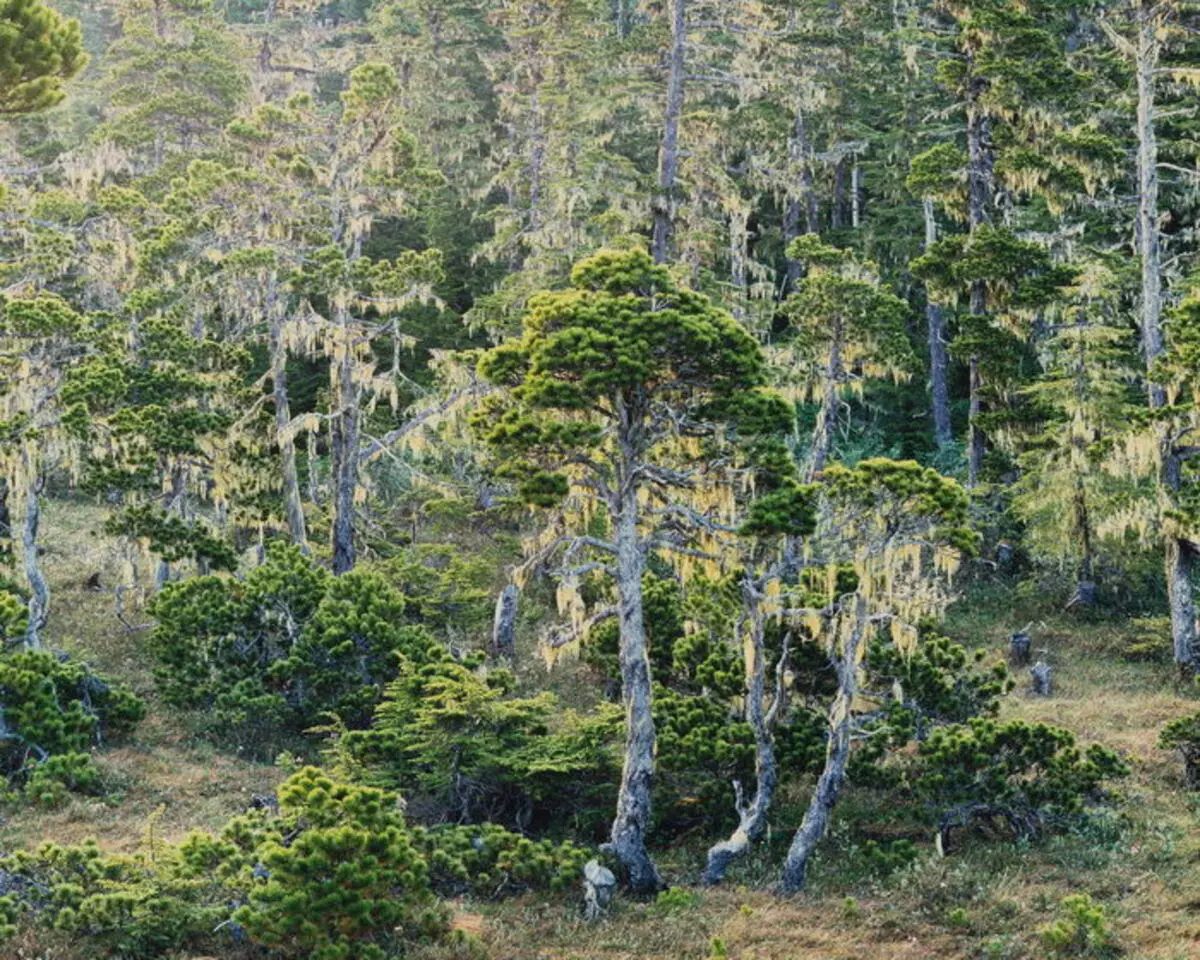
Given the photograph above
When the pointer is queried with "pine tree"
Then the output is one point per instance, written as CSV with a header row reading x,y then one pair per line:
x,y
848,328
39,51
608,376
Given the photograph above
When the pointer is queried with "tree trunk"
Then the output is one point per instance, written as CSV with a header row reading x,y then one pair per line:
x,y
668,153
1179,557
39,589
622,12
504,622
827,420
175,505
829,785
293,503
752,818
632,821
738,256
837,210
802,201
939,360
344,436
981,163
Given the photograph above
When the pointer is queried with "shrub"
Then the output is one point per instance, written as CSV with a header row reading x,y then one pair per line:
x,y
457,736
1027,775
266,656
489,861
55,710
1149,640
1081,930
1183,735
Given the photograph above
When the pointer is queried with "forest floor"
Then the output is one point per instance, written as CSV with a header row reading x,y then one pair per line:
x,y
986,899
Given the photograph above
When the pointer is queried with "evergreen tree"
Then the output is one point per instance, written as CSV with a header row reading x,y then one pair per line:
x,y
39,51
607,377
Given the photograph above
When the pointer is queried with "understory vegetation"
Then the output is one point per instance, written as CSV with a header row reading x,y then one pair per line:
x,y
599,478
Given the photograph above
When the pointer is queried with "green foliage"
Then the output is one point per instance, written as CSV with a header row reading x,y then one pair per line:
x,y
458,737
270,654
55,711
1183,735
488,861
1029,775
1149,640
350,885
39,51
1082,930
937,684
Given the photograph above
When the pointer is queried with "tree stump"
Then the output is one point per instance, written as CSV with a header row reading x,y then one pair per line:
x,y
504,623
599,885
1043,678
1020,646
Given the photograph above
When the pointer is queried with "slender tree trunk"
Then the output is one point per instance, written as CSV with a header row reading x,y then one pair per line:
x,y
39,589
829,785
981,163
837,213
1179,557
802,202
939,360
290,477
668,152
855,195
827,420
628,841
344,439
738,257
752,817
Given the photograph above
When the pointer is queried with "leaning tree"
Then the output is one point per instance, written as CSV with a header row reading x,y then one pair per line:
x,y
903,528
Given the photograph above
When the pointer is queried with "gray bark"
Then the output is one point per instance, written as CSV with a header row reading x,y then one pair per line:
x,y
981,163
289,476
39,589
827,419
668,153
939,361
1178,554
344,440
752,817
504,623
738,257
829,784
632,821
801,202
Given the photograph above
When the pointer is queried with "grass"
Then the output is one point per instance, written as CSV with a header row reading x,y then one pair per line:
x,y
985,900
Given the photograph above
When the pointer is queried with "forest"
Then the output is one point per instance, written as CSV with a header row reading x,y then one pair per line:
x,y
599,479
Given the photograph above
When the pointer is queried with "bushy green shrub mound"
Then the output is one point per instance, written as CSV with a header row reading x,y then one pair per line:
x,y
270,654
55,711
1030,776
457,736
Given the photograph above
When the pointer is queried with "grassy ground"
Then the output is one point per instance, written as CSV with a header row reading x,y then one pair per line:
x,y
984,900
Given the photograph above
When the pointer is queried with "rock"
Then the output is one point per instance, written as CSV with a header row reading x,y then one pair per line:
x,y
1043,678
1020,645
599,885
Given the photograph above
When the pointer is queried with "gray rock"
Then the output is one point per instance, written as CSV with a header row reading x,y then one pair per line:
x,y
599,885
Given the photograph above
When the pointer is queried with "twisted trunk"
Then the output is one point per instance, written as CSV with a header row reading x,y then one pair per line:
x,y
827,420
632,821
829,785
752,817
